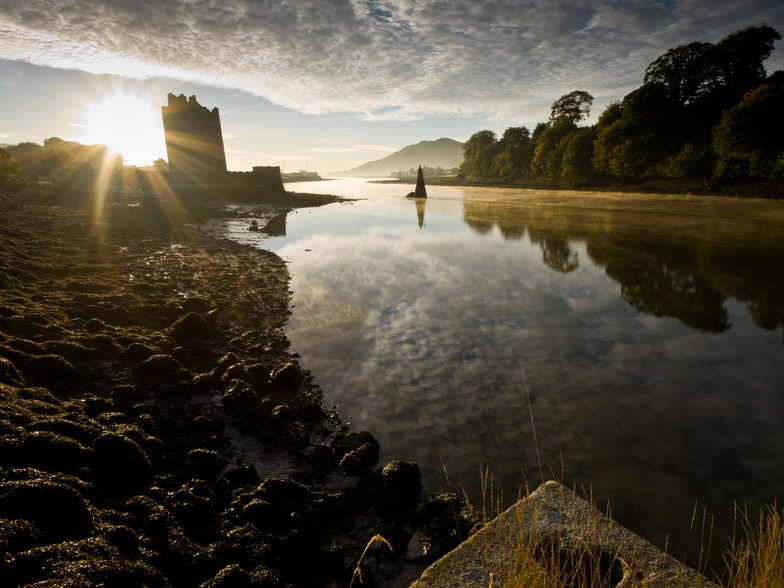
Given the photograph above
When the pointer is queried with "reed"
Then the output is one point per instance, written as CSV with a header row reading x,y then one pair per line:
x,y
755,559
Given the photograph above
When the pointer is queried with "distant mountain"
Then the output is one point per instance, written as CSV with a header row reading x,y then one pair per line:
x,y
445,153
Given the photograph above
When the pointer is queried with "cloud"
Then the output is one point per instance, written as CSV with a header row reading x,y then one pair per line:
x,y
384,60
6,136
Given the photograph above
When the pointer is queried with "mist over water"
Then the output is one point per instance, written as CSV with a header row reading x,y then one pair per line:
x,y
648,330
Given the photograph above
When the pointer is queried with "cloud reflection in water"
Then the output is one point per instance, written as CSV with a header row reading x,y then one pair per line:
x,y
661,388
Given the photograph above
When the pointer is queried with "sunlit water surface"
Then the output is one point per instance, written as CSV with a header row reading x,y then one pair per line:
x,y
648,330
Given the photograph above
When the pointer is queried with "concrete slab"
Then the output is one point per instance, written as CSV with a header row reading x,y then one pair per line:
x,y
552,522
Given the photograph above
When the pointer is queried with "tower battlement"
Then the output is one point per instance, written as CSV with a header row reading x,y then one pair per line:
x,y
194,141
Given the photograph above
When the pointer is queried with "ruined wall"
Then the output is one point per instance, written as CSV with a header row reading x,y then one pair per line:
x,y
266,177
194,141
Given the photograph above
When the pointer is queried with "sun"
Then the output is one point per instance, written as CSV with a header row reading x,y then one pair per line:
x,y
128,123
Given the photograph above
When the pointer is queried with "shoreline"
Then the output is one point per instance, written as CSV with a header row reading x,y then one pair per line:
x,y
768,189
155,428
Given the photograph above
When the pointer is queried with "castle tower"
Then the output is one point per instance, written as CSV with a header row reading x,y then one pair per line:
x,y
194,141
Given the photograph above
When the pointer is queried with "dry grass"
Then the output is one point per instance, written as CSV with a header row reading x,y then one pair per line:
x,y
756,559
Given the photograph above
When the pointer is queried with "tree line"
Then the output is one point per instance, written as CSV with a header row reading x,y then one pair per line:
x,y
703,110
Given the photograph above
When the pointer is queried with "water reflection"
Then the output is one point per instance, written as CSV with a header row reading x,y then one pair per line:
x,y
420,210
667,266
657,393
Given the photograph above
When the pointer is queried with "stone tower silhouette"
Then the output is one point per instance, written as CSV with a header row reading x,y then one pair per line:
x,y
194,141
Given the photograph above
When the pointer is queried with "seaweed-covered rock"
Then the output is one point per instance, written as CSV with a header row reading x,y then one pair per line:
x,y
160,365
49,451
198,305
286,377
120,458
57,510
360,461
9,374
399,483
203,463
191,326
52,368
352,441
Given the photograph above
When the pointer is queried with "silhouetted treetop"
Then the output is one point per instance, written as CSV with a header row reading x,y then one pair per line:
x,y
682,71
736,61
571,108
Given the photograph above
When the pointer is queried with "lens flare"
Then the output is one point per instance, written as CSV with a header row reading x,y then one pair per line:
x,y
128,123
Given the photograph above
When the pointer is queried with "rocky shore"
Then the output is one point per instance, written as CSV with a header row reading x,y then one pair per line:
x,y
155,429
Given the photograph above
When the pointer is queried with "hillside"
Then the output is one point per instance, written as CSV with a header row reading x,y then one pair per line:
x,y
445,153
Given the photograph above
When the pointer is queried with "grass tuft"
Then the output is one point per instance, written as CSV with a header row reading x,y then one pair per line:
x,y
756,559
357,573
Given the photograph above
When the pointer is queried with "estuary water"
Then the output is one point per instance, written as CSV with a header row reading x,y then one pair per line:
x,y
643,333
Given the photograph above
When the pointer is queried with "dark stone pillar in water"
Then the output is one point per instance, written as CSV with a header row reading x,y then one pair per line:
x,y
420,191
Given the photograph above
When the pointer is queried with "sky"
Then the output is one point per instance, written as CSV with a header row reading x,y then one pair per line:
x,y
327,85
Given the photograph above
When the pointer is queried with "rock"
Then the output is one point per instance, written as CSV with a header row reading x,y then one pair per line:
x,y
119,315
198,305
282,413
201,384
95,325
352,441
119,458
260,513
232,576
237,372
49,451
238,396
123,538
203,463
286,377
190,326
9,374
418,547
27,346
399,483
242,477
360,461
160,365
139,352
321,456
53,368
57,510
81,432
19,535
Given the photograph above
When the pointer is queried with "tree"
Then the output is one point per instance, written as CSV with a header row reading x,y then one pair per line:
x,y
682,71
478,154
55,159
749,137
160,165
577,153
11,176
571,108
735,62
515,159
647,133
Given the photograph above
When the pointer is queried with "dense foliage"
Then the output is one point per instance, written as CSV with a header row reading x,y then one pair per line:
x,y
11,176
704,110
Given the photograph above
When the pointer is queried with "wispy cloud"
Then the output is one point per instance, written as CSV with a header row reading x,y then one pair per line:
x,y
386,60
6,136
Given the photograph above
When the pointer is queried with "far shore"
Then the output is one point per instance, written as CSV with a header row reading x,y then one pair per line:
x,y
740,188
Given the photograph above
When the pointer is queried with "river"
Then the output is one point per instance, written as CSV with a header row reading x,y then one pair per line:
x,y
643,333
